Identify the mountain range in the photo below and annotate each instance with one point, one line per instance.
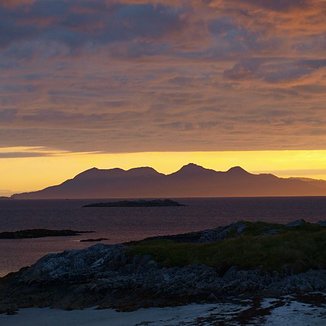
(190, 181)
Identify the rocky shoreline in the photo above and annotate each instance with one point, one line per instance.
(110, 276)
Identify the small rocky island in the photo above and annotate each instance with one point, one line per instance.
(138, 203)
(40, 233)
(251, 260)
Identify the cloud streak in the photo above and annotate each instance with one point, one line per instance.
(6, 155)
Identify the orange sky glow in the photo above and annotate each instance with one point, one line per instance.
(33, 173)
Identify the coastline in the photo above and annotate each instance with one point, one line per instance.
(175, 270)
(290, 312)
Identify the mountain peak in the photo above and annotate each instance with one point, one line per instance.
(93, 169)
(98, 173)
(238, 170)
(142, 171)
(88, 172)
(193, 169)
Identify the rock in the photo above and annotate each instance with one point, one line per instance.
(271, 232)
(296, 223)
(212, 297)
(211, 235)
(110, 276)
(231, 273)
(74, 264)
(221, 233)
(106, 276)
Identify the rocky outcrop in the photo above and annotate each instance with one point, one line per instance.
(109, 276)
(210, 235)
(322, 223)
(296, 223)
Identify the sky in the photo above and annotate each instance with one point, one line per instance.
(150, 82)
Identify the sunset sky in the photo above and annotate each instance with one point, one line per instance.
(130, 83)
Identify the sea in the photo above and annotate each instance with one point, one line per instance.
(119, 224)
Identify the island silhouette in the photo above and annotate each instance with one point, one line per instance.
(190, 181)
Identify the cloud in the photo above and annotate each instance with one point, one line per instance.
(274, 70)
(4, 155)
(126, 75)
(7, 115)
(279, 5)
(81, 23)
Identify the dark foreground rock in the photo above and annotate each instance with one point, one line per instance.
(107, 276)
(127, 277)
(210, 235)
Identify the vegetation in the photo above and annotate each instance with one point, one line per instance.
(262, 245)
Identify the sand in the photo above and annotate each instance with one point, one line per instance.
(293, 313)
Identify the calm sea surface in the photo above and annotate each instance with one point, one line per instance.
(124, 224)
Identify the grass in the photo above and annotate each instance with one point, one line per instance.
(297, 249)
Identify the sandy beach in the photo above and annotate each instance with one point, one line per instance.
(289, 314)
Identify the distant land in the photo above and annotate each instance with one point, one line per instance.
(137, 203)
(190, 181)
(40, 233)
